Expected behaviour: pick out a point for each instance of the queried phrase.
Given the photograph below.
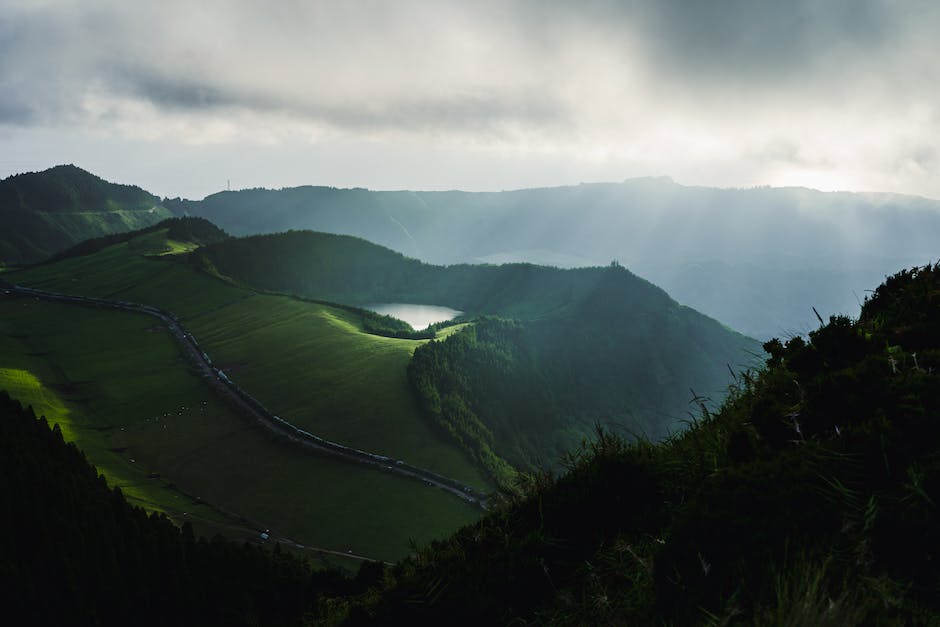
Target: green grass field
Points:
(119, 387)
(359, 395)
(309, 363)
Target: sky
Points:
(187, 98)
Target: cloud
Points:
(680, 85)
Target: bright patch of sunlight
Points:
(25, 387)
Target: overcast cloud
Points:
(179, 96)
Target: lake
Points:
(418, 316)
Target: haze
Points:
(185, 100)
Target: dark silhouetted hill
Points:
(809, 498)
(74, 552)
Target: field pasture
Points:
(121, 390)
(310, 363)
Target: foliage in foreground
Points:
(810, 498)
(74, 552)
(518, 395)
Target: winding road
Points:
(253, 409)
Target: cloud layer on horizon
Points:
(842, 93)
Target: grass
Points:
(322, 373)
(120, 389)
(309, 363)
(24, 386)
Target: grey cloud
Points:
(473, 111)
(753, 49)
(171, 92)
(764, 38)
(780, 150)
(923, 155)
(710, 46)
(15, 112)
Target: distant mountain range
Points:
(756, 259)
(45, 212)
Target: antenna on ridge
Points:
(228, 184)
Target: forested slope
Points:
(74, 552)
(575, 348)
(810, 498)
(46, 212)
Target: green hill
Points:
(591, 345)
(46, 212)
(809, 498)
(350, 270)
(311, 363)
(756, 259)
(120, 389)
(178, 235)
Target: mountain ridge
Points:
(759, 243)
(49, 211)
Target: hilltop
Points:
(46, 212)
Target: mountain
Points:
(46, 212)
(570, 348)
(756, 259)
(809, 498)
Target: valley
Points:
(352, 384)
(221, 457)
(416, 424)
(125, 394)
(432, 314)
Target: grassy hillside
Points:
(592, 345)
(809, 498)
(350, 270)
(177, 235)
(46, 212)
(310, 363)
(119, 388)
